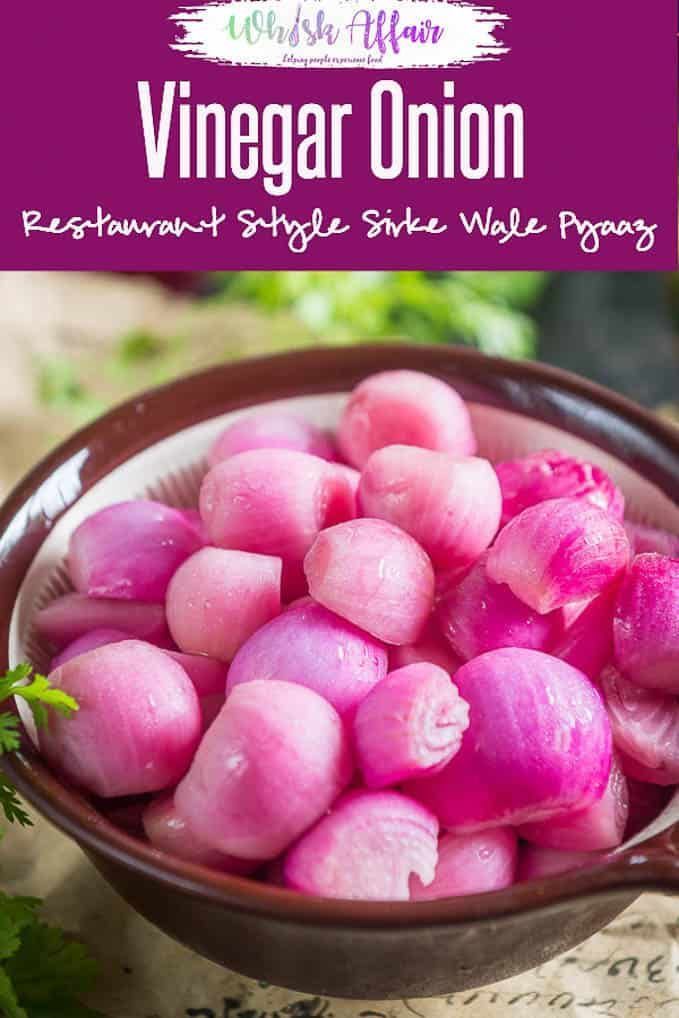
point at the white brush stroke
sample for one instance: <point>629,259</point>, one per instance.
<point>468,34</point>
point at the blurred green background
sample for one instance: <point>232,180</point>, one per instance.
<point>73,343</point>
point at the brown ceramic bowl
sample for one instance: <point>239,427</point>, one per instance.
<point>339,948</point>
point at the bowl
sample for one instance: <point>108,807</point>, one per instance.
<point>156,444</point>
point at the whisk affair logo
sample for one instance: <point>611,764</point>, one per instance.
<point>341,33</point>
<point>339,134</point>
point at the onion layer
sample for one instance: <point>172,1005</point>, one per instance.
<point>557,552</point>
<point>646,624</point>
<point>471,864</point>
<point>410,723</point>
<point>553,474</point>
<point>367,848</point>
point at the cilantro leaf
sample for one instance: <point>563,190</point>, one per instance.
<point>9,733</point>
<point>15,915</point>
<point>48,968</point>
<point>38,693</point>
<point>9,1005</point>
<point>10,804</point>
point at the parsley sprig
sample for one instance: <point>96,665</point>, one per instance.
<point>42,971</point>
<point>40,695</point>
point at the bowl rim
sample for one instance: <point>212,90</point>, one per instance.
<point>144,419</point>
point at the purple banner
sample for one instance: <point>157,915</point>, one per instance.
<point>138,140</point>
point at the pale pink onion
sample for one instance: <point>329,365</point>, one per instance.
<point>217,599</point>
<point>270,430</point>
<point>471,864</point>
<point>275,502</point>
<point>404,408</point>
<point>376,576</point>
<point>268,767</point>
<point>411,723</point>
<point>450,506</point>
<point>167,831</point>
<point>367,848</point>
<point>137,726</point>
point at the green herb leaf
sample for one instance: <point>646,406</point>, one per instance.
<point>15,915</point>
<point>9,1005</point>
<point>10,805</point>
<point>9,733</point>
<point>39,693</point>
<point>42,971</point>
<point>48,967</point>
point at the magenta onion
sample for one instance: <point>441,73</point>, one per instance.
<point>270,430</point>
<point>450,506</point>
<point>552,474</point>
<point>599,826</point>
<point>130,550</point>
<point>430,648</point>
<point>649,539</point>
<point>538,744</point>
<point>275,502</point>
<point>313,646</point>
<point>90,641</point>
<point>269,766</point>
<point>70,617</point>
<point>404,408</point>
<point>210,706</point>
<point>353,479</point>
<point>646,802</point>
<point>366,848</point>
<point>217,599</point>
<point>409,724</point>
<point>167,831</point>
<point>375,575</point>
<point>587,643</point>
<point>557,552</point>
<point>471,864</point>
<point>645,725</point>
<point>138,723</point>
<point>478,615</point>
<point>658,776</point>
<point>646,624</point>
<point>536,862</point>
<point>207,675</point>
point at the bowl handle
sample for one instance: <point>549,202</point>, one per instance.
<point>654,864</point>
